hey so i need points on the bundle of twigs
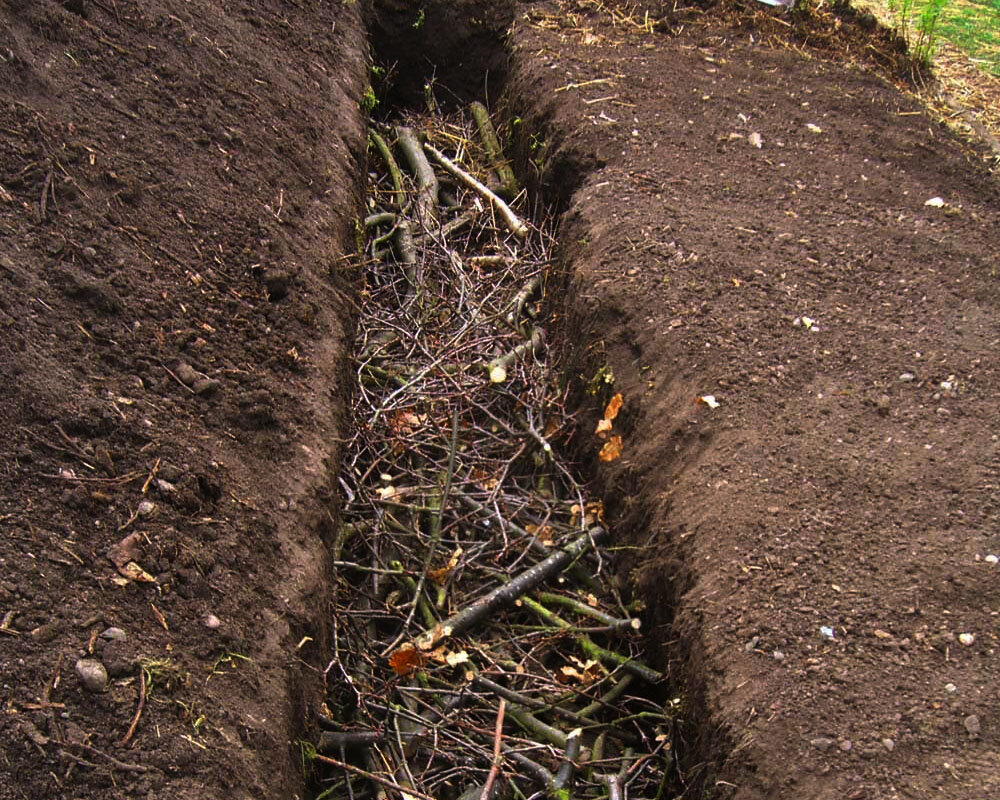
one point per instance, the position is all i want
(456, 674)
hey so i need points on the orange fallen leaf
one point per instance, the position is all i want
(612, 449)
(614, 406)
(439, 576)
(405, 660)
(484, 479)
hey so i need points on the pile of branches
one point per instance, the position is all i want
(479, 651)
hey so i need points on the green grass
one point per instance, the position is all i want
(972, 26)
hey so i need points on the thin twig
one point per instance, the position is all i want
(138, 712)
(497, 753)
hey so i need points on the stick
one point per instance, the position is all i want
(383, 218)
(592, 649)
(138, 712)
(333, 762)
(435, 530)
(537, 728)
(506, 594)
(426, 180)
(588, 611)
(498, 367)
(391, 165)
(514, 315)
(44, 200)
(564, 777)
(491, 144)
(93, 751)
(497, 753)
(511, 220)
(408, 255)
(609, 696)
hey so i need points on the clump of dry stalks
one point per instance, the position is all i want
(455, 674)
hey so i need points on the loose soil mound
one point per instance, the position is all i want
(179, 182)
(752, 223)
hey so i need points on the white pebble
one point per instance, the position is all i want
(968, 639)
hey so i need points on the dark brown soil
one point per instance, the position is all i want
(848, 479)
(180, 183)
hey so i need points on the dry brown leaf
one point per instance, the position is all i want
(485, 480)
(450, 657)
(612, 449)
(433, 636)
(134, 572)
(405, 660)
(405, 422)
(126, 550)
(614, 406)
(439, 576)
(581, 673)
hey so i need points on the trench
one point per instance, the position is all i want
(482, 645)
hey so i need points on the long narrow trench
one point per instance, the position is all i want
(480, 647)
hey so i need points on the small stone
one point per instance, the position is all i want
(206, 386)
(88, 253)
(845, 745)
(186, 373)
(92, 674)
(888, 744)
(166, 487)
(822, 743)
(991, 559)
(146, 507)
(112, 634)
(882, 404)
(907, 377)
(967, 639)
(950, 688)
(972, 725)
(751, 645)
(211, 622)
(778, 655)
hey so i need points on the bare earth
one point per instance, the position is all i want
(180, 183)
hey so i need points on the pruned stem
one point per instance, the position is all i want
(427, 182)
(506, 594)
(390, 164)
(494, 152)
(514, 223)
(592, 649)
